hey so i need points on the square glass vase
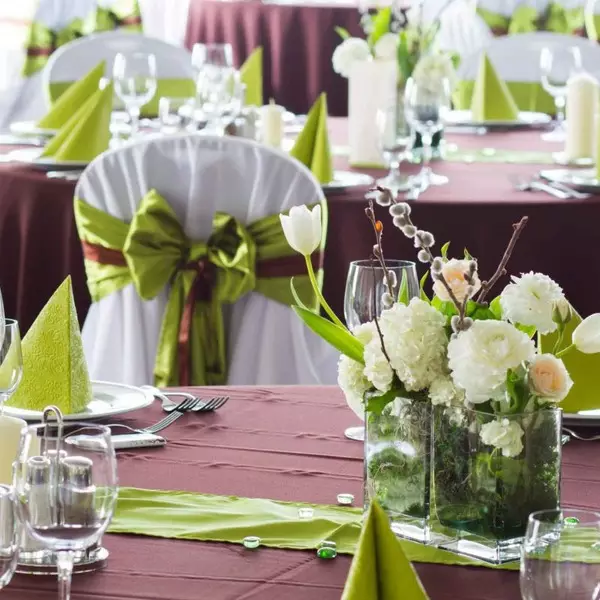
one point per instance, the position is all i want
(480, 498)
(397, 465)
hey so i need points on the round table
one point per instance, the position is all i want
(298, 41)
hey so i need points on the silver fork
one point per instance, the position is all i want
(180, 409)
(592, 438)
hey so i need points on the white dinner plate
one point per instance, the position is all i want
(31, 156)
(30, 128)
(343, 180)
(109, 399)
(583, 180)
(526, 120)
(589, 418)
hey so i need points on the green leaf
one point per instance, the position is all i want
(343, 33)
(446, 308)
(403, 292)
(341, 339)
(479, 312)
(444, 250)
(455, 59)
(381, 25)
(376, 404)
(404, 55)
(496, 308)
(517, 390)
(468, 255)
(297, 299)
(422, 293)
(529, 330)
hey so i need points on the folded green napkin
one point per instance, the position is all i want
(76, 95)
(312, 145)
(87, 133)
(492, 101)
(54, 367)
(251, 73)
(524, 20)
(380, 569)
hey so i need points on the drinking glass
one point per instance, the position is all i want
(175, 114)
(365, 286)
(394, 138)
(135, 83)
(426, 105)
(560, 556)
(11, 360)
(66, 494)
(9, 536)
(557, 64)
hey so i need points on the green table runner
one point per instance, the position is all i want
(204, 517)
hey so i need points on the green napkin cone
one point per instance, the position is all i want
(251, 73)
(380, 569)
(74, 97)
(87, 133)
(312, 145)
(492, 100)
(54, 367)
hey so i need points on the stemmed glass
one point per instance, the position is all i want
(427, 104)
(394, 138)
(135, 83)
(560, 556)
(11, 360)
(66, 496)
(557, 64)
(9, 536)
(365, 286)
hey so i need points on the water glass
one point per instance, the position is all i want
(394, 139)
(9, 536)
(427, 104)
(557, 64)
(66, 494)
(560, 557)
(11, 360)
(135, 83)
(216, 55)
(175, 114)
(365, 286)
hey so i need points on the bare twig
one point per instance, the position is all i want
(378, 230)
(379, 332)
(486, 286)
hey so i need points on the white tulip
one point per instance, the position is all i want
(302, 228)
(586, 336)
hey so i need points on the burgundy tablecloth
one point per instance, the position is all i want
(38, 241)
(283, 443)
(298, 42)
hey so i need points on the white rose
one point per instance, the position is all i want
(302, 228)
(530, 301)
(480, 357)
(586, 336)
(503, 434)
(386, 47)
(549, 378)
(454, 273)
(350, 51)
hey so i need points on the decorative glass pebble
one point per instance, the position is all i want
(251, 542)
(328, 544)
(571, 521)
(327, 550)
(345, 499)
(305, 513)
(488, 151)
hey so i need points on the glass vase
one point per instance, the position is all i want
(483, 495)
(397, 465)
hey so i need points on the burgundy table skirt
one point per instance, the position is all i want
(283, 443)
(298, 41)
(39, 246)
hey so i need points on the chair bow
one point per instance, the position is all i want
(203, 277)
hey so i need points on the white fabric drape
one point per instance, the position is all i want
(165, 20)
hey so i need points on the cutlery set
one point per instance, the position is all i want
(553, 188)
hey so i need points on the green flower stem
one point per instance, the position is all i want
(559, 340)
(322, 301)
(565, 351)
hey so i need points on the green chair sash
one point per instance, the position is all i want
(592, 26)
(153, 251)
(562, 20)
(523, 20)
(497, 23)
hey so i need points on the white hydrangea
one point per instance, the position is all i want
(529, 300)
(444, 392)
(480, 357)
(377, 368)
(415, 340)
(504, 434)
(386, 47)
(350, 51)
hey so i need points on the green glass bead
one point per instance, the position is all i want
(571, 521)
(251, 542)
(326, 552)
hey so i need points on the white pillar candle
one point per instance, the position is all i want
(10, 433)
(271, 128)
(582, 98)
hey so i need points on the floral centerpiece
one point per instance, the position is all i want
(461, 392)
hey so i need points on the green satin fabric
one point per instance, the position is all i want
(157, 251)
(523, 20)
(592, 26)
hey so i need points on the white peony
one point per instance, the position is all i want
(480, 357)
(530, 299)
(548, 378)
(350, 51)
(454, 274)
(504, 434)
(386, 47)
(443, 391)
(415, 340)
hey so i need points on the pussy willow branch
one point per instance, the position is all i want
(486, 286)
(370, 212)
(379, 332)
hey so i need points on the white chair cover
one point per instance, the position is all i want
(198, 175)
(167, 22)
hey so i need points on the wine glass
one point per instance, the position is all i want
(557, 64)
(560, 556)
(9, 536)
(11, 360)
(394, 138)
(365, 286)
(426, 104)
(66, 493)
(135, 83)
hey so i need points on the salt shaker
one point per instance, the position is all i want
(40, 500)
(77, 492)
